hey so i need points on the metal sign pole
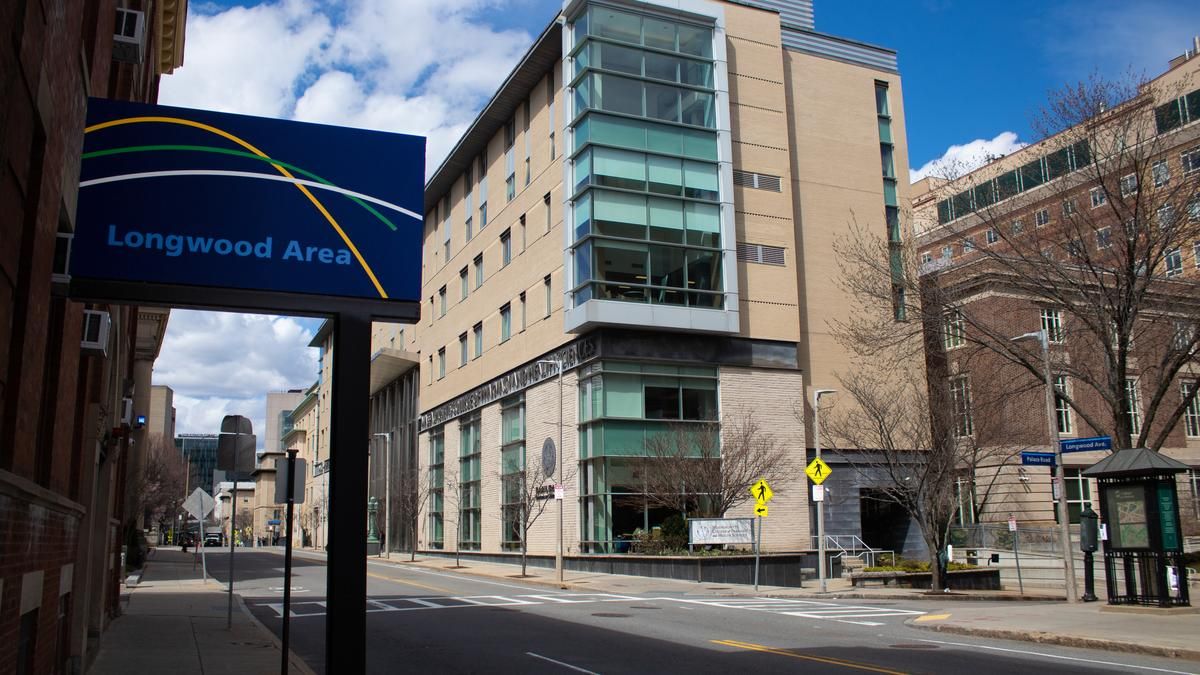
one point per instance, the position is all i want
(1017, 557)
(287, 556)
(232, 522)
(757, 548)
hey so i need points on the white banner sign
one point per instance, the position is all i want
(721, 530)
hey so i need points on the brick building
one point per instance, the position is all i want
(66, 405)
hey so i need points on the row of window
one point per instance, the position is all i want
(891, 205)
(1037, 172)
(476, 335)
(954, 333)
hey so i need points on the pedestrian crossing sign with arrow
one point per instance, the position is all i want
(761, 491)
(760, 510)
(817, 471)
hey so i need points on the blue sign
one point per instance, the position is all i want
(196, 198)
(1086, 444)
(1037, 458)
(274, 522)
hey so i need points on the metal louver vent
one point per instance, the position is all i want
(760, 181)
(760, 253)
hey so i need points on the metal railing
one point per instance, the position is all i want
(842, 546)
(997, 536)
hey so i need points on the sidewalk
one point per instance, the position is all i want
(172, 621)
(1044, 618)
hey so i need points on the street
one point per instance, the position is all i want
(438, 620)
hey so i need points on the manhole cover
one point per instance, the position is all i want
(914, 646)
(643, 607)
(611, 615)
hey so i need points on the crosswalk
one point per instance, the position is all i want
(317, 607)
(810, 609)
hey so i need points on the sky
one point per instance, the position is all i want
(974, 75)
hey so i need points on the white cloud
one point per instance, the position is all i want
(960, 159)
(1114, 36)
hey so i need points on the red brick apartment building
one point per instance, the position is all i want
(1092, 235)
(71, 375)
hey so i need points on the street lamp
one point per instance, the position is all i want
(1064, 524)
(558, 553)
(387, 490)
(816, 403)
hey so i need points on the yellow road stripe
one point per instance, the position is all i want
(435, 589)
(820, 659)
(932, 617)
(260, 153)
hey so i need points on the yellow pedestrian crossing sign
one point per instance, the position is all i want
(817, 471)
(761, 491)
(760, 510)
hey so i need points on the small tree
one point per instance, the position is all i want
(412, 493)
(704, 469)
(157, 490)
(524, 501)
(451, 500)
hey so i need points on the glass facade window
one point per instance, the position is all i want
(437, 485)
(512, 471)
(645, 180)
(1052, 324)
(622, 407)
(954, 329)
(1079, 494)
(470, 477)
(1191, 415)
(960, 393)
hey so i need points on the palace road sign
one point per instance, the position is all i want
(1037, 458)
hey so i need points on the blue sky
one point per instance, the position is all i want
(974, 74)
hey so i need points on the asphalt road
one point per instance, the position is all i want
(421, 620)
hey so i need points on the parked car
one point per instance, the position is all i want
(212, 540)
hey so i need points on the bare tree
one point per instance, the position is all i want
(526, 492)
(412, 493)
(451, 502)
(1102, 241)
(703, 469)
(157, 490)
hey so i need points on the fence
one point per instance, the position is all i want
(1042, 540)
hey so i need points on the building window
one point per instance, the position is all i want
(442, 302)
(1062, 409)
(462, 283)
(954, 330)
(505, 248)
(991, 236)
(947, 252)
(968, 244)
(1104, 237)
(926, 257)
(960, 393)
(463, 355)
(1174, 260)
(1165, 216)
(1190, 160)
(1078, 493)
(512, 472)
(1068, 207)
(505, 322)
(478, 263)
(1040, 218)
(1053, 325)
(470, 476)
(1018, 227)
(483, 190)
(1185, 335)
(1098, 197)
(1133, 407)
(546, 203)
(550, 91)
(1128, 185)
(467, 228)
(437, 486)
(1191, 415)
(521, 300)
(1193, 479)
(549, 298)
(1161, 171)
(477, 332)
(441, 363)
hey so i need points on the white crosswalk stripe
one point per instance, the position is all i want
(809, 609)
(317, 608)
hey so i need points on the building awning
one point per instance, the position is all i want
(387, 364)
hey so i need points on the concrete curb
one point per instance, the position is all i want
(1041, 637)
(295, 663)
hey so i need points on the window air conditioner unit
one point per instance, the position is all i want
(126, 411)
(62, 258)
(96, 325)
(129, 36)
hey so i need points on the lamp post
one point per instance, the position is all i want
(1064, 524)
(816, 403)
(558, 553)
(387, 490)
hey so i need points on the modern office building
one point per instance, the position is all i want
(200, 451)
(634, 239)
(1092, 235)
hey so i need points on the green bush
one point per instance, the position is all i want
(905, 565)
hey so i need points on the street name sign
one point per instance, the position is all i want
(818, 471)
(1086, 444)
(761, 491)
(1037, 458)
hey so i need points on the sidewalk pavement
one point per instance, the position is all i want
(1044, 617)
(173, 621)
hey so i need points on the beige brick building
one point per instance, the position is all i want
(649, 202)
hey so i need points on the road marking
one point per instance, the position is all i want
(862, 623)
(564, 665)
(820, 659)
(932, 617)
(1057, 656)
(459, 577)
(435, 589)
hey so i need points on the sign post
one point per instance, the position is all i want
(199, 504)
(1012, 527)
(762, 494)
(289, 497)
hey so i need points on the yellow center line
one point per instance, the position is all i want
(435, 589)
(820, 659)
(932, 617)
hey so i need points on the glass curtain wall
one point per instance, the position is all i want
(512, 471)
(437, 483)
(622, 406)
(645, 174)
(470, 451)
